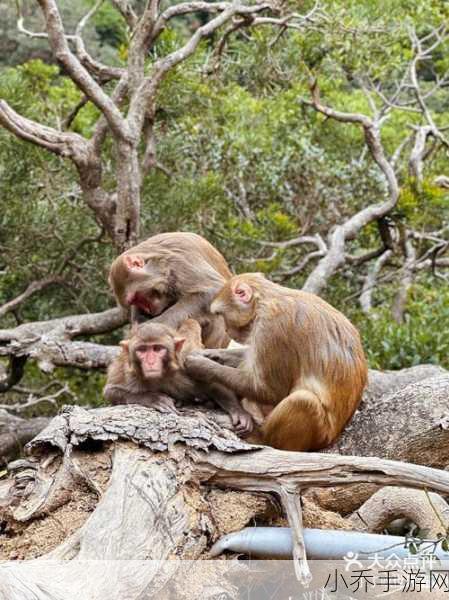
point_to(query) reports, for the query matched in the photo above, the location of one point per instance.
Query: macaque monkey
(172, 277)
(303, 364)
(150, 371)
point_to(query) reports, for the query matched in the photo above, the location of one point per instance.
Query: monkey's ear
(125, 346)
(243, 292)
(133, 261)
(179, 343)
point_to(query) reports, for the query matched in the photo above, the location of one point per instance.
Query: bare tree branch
(418, 152)
(366, 297)
(147, 90)
(67, 144)
(335, 256)
(406, 281)
(436, 37)
(79, 74)
(126, 10)
(32, 288)
(35, 398)
(316, 240)
(99, 70)
(149, 160)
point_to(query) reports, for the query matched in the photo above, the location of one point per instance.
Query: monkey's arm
(209, 371)
(120, 394)
(231, 357)
(192, 306)
(227, 400)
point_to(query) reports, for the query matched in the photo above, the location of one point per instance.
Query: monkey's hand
(159, 401)
(231, 357)
(164, 404)
(199, 366)
(242, 420)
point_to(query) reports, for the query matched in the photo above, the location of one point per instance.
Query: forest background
(243, 157)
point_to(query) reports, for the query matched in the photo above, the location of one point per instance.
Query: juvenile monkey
(150, 371)
(172, 277)
(304, 360)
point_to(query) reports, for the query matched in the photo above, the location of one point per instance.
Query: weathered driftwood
(407, 424)
(380, 384)
(429, 512)
(15, 432)
(154, 505)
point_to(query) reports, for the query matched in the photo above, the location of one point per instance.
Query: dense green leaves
(250, 161)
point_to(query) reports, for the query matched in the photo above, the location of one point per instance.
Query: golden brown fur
(127, 383)
(304, 358)
(185, 272)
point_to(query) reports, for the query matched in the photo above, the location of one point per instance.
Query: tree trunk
(15, 432)
(127, 217)
(115, 488)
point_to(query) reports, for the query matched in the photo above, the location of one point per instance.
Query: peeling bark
(155, 503)
(15, 432)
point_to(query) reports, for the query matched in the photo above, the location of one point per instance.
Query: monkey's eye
(158, 348)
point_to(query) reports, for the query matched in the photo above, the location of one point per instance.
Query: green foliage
(422, 338)
(426, 207)
(241, 136)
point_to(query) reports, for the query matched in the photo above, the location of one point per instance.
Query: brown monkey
(171, 277)
(150, 371)
(304, 358)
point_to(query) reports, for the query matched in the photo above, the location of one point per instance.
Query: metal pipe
(321, 544)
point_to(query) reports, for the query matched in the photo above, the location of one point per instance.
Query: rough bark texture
(430, 512)
(401, 417)
(15, 432)
(132, 482)
(51, 343)
(407, 424)
(380, 383)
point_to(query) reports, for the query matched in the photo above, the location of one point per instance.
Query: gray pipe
(321, 544)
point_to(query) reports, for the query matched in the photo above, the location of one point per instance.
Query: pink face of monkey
(153, 360)
(151, 303)
(153, 350)
(142, 282)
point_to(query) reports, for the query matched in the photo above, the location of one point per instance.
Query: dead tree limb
(15, 432)
(124, 111)
(52, 343)
(158, 462)
(335, 256)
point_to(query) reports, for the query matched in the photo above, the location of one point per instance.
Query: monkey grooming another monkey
(304, 358)
(172, 277)
(150, 371)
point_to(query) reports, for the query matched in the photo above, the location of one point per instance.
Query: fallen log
(147, 478)
(15, 432)
(409, 424)
(380, 383)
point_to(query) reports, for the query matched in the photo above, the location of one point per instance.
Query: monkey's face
(143, 282)
(237, 303)
(153, 351)
(152, 360)
(151, 301)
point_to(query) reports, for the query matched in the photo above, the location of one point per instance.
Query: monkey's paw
(214, 354)
(242, 421)
(164, 404)
(195, 363)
